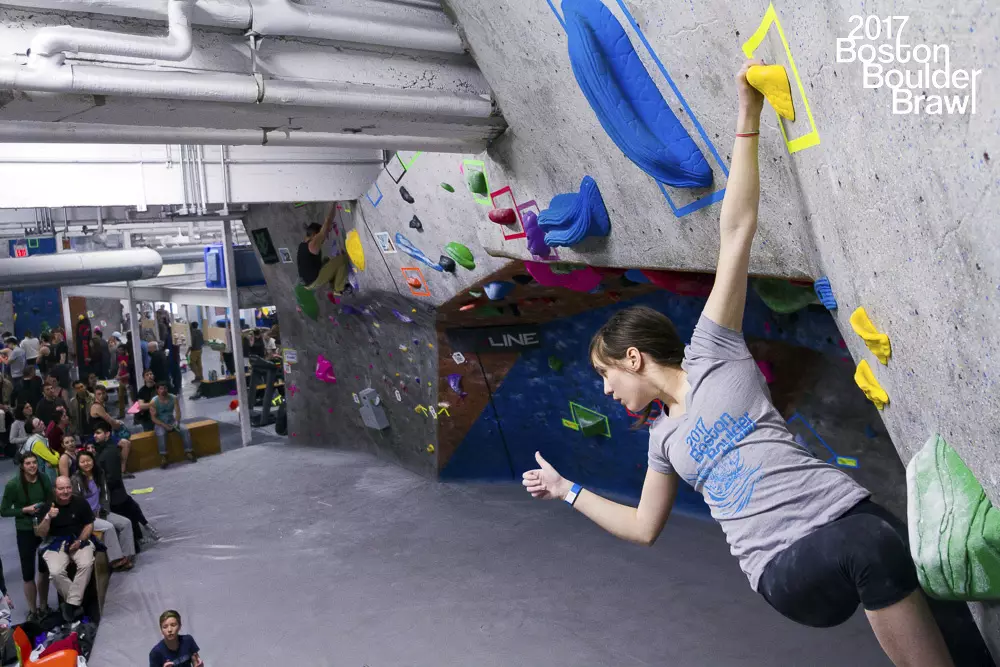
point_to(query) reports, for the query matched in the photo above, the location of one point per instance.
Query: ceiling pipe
(72, 268)
(232, 14)
(182, 254)
(50, 45)
(84, 133)
(290, 19)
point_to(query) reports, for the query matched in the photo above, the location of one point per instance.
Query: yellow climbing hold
(876, 341)
(430, 449)
(873, 390)
(354, 250)
(772, 82)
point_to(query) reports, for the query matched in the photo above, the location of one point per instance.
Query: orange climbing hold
(414, 282)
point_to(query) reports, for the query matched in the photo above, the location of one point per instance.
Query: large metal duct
(72, 268)
(182, 254)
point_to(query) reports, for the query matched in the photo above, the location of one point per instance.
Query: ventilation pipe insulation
(183, 210)
(182, 254)
(285, 18)
(88, 133)
(87, 268)
(50, 45)
(204, 179)
(46, 71)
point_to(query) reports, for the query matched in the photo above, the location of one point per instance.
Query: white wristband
(573, 493)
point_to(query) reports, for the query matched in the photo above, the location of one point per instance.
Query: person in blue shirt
(175, 649)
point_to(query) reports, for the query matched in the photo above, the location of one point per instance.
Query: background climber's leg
(326, 273)
(908, 633)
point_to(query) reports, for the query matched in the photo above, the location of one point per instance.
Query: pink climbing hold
(679, 282)
(503, 216)
(324, 370)
(767, 371)
(292, 389)
(585, 279)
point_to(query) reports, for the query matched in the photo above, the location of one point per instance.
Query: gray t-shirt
(733, 447)
(17, 361)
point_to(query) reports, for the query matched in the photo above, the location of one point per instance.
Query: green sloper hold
(307, 301)
(475, 293)
(954, 529)
(782, 296)
(475, 180)
(590, 424)
(555, 363)
(461, 255)
(446, 186)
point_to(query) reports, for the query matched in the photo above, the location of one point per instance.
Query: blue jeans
(161, 438)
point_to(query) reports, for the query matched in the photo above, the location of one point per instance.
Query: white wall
(54, 175)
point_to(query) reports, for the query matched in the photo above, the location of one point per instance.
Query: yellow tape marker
(847, 461)
(751, 45)
(568, 424)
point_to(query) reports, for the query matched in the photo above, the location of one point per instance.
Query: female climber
(313, 270)
(807, 536)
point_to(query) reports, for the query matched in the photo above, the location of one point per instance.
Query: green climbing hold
(954, 529)
(591, 424)
(475, 294)
(564, 268)
(307, 301)
(782, 296)
(489, 311)
(555, 363)
(476, 182)
(461, 255)
(446, 186)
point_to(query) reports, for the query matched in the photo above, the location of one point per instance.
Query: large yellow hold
(876, 341)
(354, 250)
(772, 82)
(873, 390)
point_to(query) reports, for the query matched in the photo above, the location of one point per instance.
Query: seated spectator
(79, 410)
(25, 497)
(89, 483)
(165, 411)
(66, 531)
(55, 432)
(175, 649)
(18, 435)
(99, 415)
(37, 444)
(31, 387)
(50, 404)
(145, 397)
(68, 460)
(109, 458)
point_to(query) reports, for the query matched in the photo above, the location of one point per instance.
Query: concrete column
(136, 340)
(236, 339)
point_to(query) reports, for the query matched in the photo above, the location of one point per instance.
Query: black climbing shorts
(861, 557)
(27, 550)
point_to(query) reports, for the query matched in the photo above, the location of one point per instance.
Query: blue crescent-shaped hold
(413, 251)
(626, 100)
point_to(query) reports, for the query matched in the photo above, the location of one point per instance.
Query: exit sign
(20, 251)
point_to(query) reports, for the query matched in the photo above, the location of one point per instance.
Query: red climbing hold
(414, 282)
(468, 306)
(503, 216)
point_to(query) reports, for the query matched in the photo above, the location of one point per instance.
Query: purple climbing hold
(535, 235)
(455, 382)
(401, 317)
(349, 310)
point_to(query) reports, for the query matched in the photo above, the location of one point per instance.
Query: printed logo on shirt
(726, 481)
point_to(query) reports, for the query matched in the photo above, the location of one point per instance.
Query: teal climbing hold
(307, 301)
(954, 529)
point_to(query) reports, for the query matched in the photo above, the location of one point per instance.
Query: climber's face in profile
(624, 380)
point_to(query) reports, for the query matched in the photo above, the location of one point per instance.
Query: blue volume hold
(825, 293)
(573, 216)
(416, 253)
(626, 100)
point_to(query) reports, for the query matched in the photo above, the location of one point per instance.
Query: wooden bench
(145, 453)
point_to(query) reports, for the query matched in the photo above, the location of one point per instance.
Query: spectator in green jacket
(25, 495)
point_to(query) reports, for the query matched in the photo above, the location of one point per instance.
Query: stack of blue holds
(571, 217)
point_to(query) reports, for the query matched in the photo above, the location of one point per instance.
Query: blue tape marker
(416, 253)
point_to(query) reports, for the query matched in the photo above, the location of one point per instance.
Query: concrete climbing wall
(363, 339)
(107, 314)
(896, 208)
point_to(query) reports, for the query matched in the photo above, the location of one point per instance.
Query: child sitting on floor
(175, 649)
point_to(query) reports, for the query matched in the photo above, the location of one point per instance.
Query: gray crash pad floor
(282, 555)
